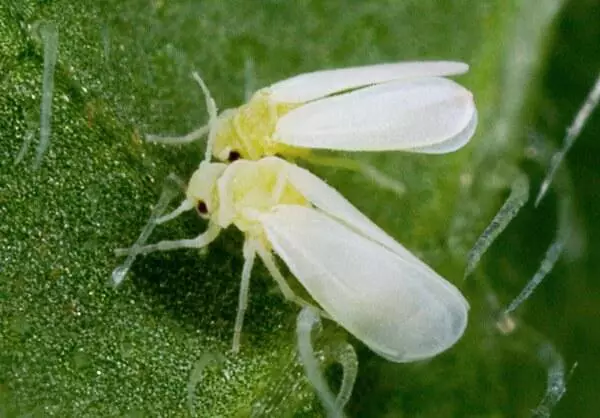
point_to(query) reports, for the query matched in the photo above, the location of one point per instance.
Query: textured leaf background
(70, 345)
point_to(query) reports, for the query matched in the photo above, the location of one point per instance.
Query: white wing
(453, 143)
(310, 86)
(383, 299)
(330, 201)
(423, 115)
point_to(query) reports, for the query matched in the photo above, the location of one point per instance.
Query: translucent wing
(430, 115)
(330, 201)
(310, 86)
(451, 144)
(400, 310)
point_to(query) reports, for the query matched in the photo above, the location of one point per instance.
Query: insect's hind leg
(288, 293)
(249, 256)
(369, 171)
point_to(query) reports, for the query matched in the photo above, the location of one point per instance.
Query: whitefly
(359, 276)
(407, 106)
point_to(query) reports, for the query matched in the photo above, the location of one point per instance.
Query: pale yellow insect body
(249, 130)
(239, 193)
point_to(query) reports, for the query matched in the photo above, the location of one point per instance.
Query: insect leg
(200, 241)
(211, 107)
(249, 256)
(269, 262)
(168, 193)
(196, 134)
(369, 171)
(183, 207)
(177, 140)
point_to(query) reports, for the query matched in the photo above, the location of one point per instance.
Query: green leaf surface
(71, 345)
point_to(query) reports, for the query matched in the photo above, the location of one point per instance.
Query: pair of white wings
(406, 106)
(363, 278)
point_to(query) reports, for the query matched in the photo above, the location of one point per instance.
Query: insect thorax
(248, 130)
(249, 189)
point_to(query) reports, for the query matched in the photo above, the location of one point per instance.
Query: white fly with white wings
(360, 276)
(408, 106)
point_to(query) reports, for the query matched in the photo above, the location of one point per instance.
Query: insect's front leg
(198, 133)
(179, 140)
(200, 241)
(213, 115)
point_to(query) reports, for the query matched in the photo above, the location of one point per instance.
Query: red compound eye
(233, 155)
(202, 208)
